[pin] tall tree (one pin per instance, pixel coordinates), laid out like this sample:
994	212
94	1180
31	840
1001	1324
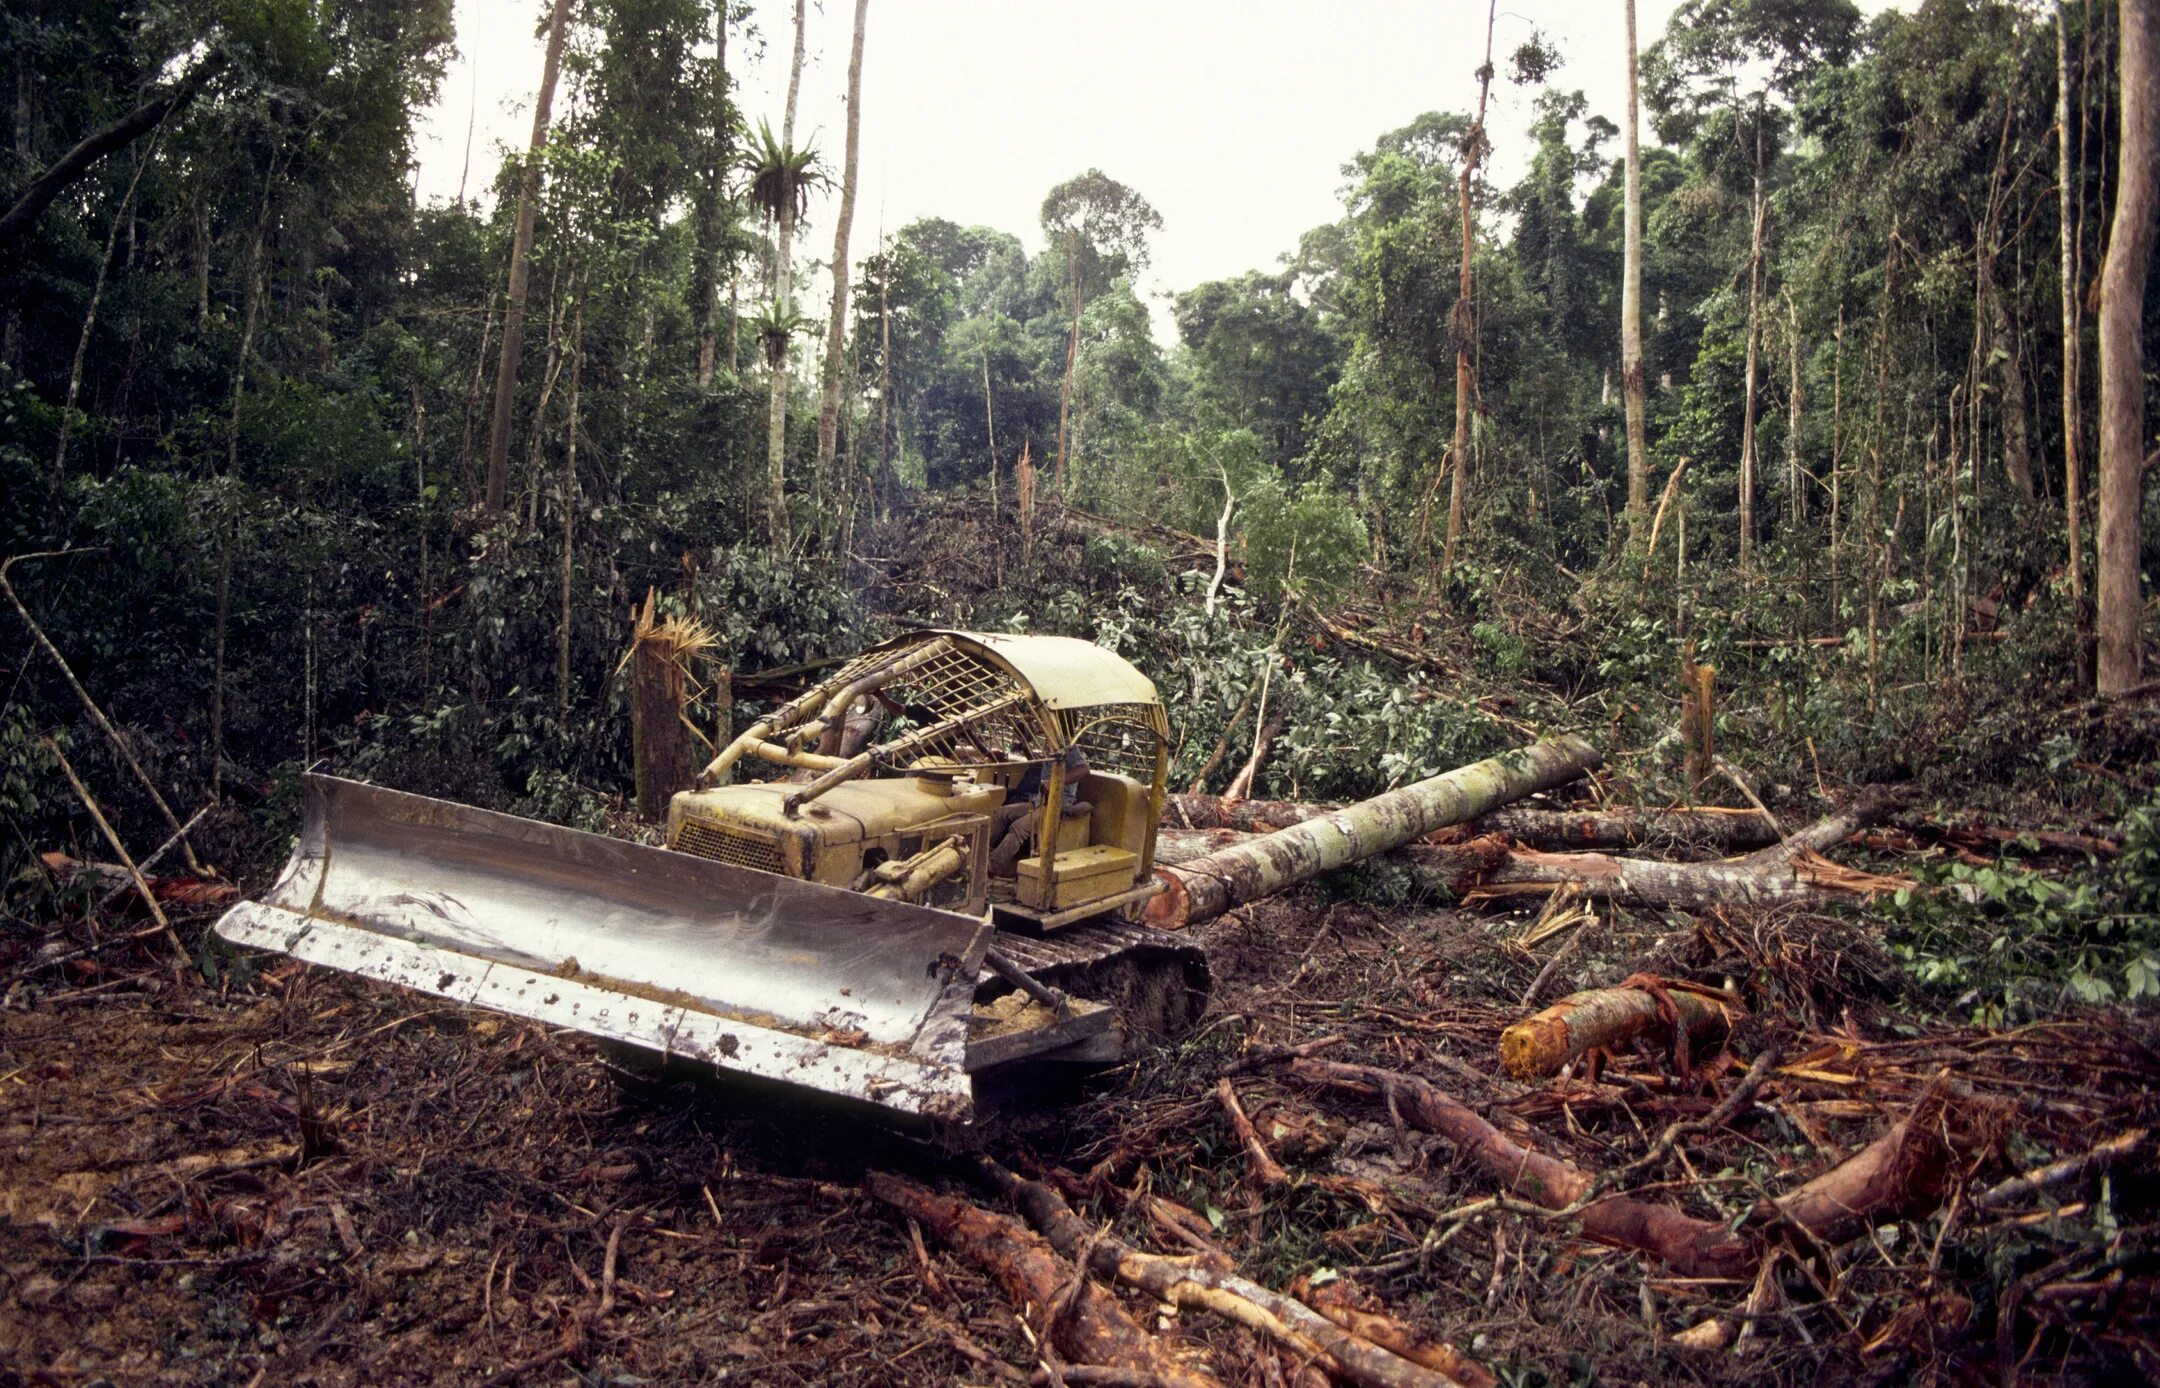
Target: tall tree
712	237
1103	227
836	328
1465	320
513	343
781	189
2068	178
1631	346
2120	619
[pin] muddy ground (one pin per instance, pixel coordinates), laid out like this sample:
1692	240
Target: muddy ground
275	1174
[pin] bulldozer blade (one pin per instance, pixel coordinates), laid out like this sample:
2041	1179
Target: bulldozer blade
743	970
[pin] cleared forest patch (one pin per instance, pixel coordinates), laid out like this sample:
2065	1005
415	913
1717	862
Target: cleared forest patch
293	1176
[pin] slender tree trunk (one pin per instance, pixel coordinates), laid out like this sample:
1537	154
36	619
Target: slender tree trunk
1631	344
776	518
1754	350
2120	619
777	528
836	327
884	421
2068	182
2017	424
1464	318
1795	405
1072	354
712	214
569	509
513	342
82	341
248	319
990	426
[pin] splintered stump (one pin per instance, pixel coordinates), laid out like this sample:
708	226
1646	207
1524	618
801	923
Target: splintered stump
1081	1321
1204	1283
1608	1018
1205	888
663	747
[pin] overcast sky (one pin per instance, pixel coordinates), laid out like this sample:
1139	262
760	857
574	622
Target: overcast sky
1233	117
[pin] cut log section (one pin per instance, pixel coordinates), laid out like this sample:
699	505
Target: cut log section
1206	887
1708	829
1606	1018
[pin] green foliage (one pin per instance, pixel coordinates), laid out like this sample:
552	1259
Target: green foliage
2010	943
1308	540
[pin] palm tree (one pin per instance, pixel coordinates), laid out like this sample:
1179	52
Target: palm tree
782	178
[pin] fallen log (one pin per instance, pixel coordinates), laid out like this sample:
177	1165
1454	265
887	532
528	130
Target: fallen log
1902	1172
1069	1312
1789	873
1691	1246
1708	828
1605	1018
1206	887
1202	1283
1450	869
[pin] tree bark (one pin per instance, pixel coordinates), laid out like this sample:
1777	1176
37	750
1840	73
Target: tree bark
1203	1283
1603	1018
1464	319
2119	622
2017	424
64	171
1078	1319
836	329
1204	889
513	341
1631	344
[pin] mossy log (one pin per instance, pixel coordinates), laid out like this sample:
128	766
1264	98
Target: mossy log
1206	887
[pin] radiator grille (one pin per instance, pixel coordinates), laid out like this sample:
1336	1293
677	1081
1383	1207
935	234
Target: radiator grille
722	844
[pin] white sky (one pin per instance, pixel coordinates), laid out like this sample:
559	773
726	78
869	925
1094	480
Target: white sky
1233	117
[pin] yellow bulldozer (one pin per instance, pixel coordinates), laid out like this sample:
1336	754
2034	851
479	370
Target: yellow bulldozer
850	928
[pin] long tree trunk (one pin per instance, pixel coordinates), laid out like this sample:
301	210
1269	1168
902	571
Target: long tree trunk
569	509
82	341
2119	621
1631	345
776	515
828	430
1754	349
2017	424
711	214
2068	178
1072	355
513	343
1207	887
884	393
1464	319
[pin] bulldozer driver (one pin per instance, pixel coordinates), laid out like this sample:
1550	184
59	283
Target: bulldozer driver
1014	824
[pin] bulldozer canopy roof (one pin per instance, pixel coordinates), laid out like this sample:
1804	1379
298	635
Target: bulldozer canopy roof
1063	671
